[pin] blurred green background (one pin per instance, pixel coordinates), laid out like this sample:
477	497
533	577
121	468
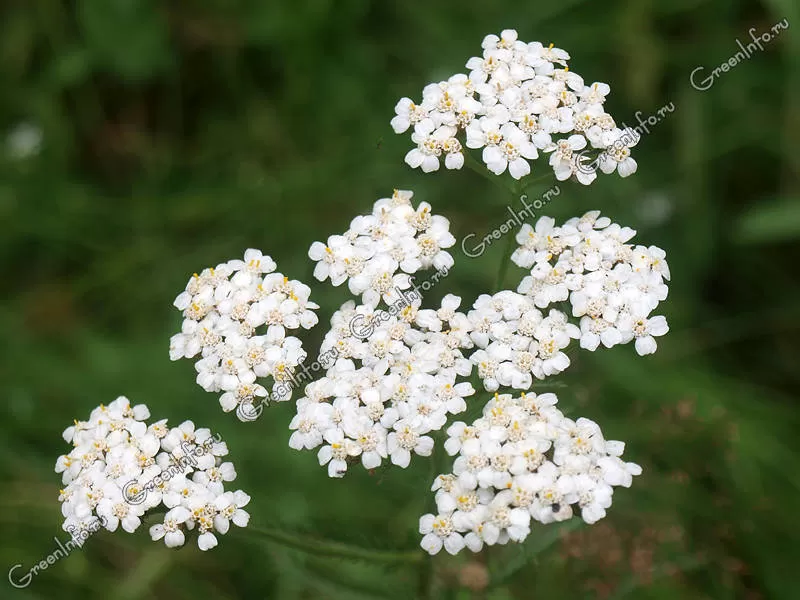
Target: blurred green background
144	140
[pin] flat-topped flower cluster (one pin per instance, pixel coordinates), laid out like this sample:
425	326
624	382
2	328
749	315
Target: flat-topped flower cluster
395	381
517	341
521	461
379	251
120	468
611	285
519	100
223	309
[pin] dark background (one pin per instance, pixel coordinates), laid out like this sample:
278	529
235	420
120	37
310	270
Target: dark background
173	135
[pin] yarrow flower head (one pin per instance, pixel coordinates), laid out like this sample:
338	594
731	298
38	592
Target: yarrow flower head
379	252
120	468
236	318
612	286
518	100
396	379
522	460
517	341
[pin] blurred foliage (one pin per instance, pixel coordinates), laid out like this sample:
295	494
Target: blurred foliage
144	140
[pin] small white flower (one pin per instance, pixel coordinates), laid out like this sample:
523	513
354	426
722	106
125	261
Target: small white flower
336	453
511	153
430	144
170	529
617	155
438	532
644	331
407	114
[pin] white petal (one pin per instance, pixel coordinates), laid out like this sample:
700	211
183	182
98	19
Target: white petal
657	325
431	543
645	345
454	543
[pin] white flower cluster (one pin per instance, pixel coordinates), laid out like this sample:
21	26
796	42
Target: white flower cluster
517	341
223	307
395	381
379	251
611	285
518	100
521	460
119	468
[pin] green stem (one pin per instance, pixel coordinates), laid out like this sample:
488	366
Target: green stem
527	186
481	169
426	581
527	183
510	239
331	549
425	586
517	190
505	260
